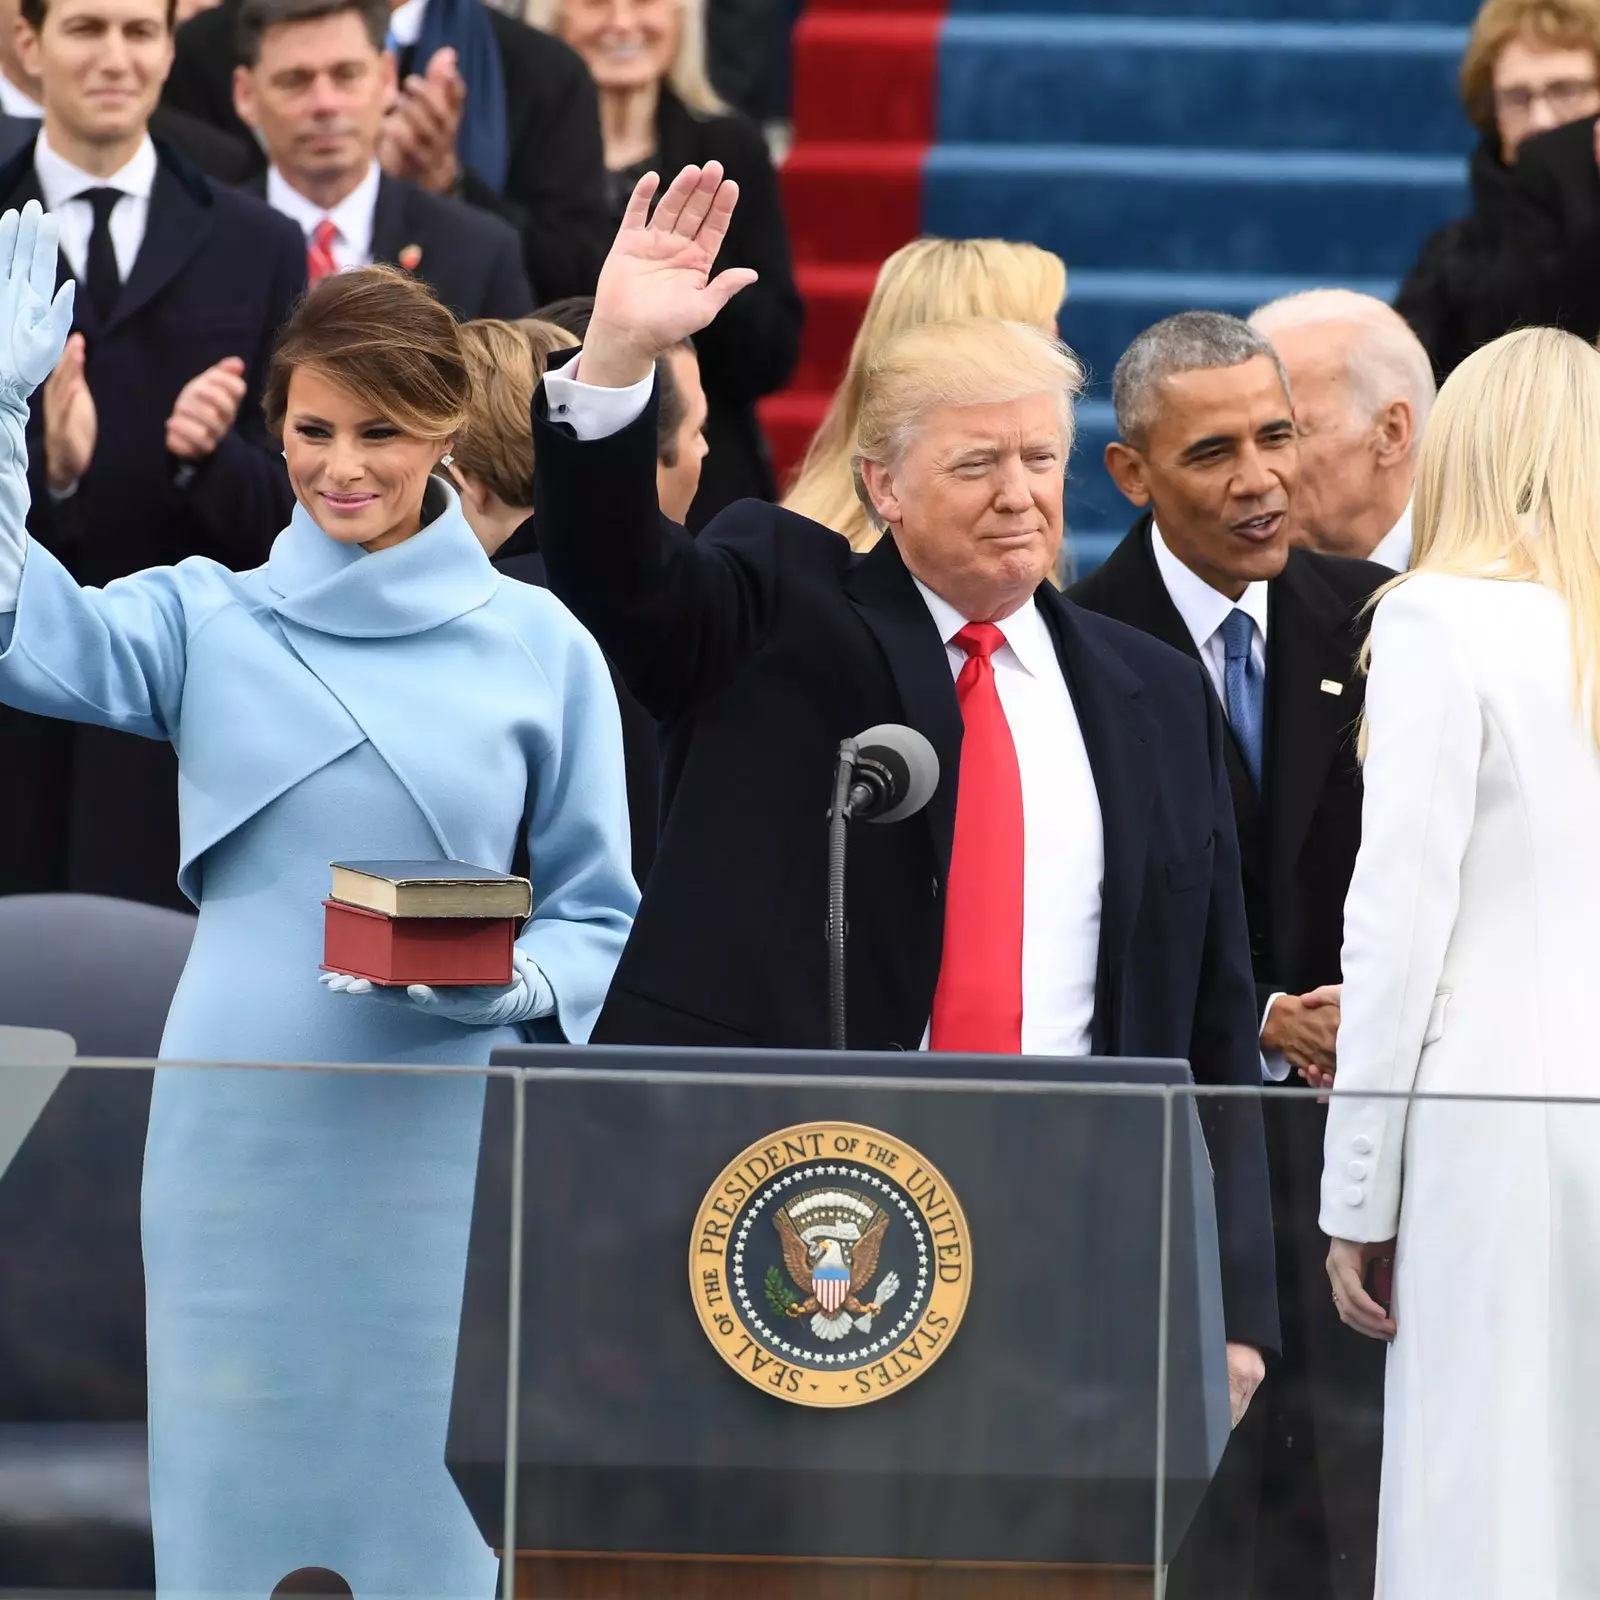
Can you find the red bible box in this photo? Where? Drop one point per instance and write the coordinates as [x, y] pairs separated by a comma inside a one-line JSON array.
[[431, 950]]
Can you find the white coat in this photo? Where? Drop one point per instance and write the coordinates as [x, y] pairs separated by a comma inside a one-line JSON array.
[[1471, 963]]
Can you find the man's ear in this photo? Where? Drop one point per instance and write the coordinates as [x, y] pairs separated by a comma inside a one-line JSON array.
[[25, 40], [474, 493], [244, 95], [878, 481], [1397, 433], [1128, 471]]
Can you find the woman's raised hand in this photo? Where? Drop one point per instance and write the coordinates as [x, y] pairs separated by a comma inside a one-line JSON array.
[[656, 287], [35, 316]]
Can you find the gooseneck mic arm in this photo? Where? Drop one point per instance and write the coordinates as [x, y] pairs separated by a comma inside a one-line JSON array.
[[883, 775]]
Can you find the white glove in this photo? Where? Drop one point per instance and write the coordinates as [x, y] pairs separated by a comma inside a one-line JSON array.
[[472, 1005], [35, 316]]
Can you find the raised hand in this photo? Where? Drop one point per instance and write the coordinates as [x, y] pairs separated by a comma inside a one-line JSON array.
[[656, 287], [35, 316]]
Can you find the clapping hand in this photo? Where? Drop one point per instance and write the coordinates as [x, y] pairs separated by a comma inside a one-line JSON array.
[[71, 423], [656, 288], [418, 139], [35, 316], [205, 409]]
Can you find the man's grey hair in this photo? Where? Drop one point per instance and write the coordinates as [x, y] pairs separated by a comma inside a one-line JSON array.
[[1192, 341], [1386, 359]]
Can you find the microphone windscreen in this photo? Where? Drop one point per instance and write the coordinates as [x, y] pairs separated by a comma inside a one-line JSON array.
[[907, 755]]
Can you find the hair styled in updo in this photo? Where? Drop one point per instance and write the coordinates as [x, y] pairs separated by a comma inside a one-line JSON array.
[[382, 336]]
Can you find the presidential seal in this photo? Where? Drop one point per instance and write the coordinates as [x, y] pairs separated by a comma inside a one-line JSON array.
[[830, 1264]]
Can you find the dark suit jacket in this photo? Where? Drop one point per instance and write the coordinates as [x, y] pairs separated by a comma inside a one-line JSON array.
[[555, 185], [519, 557], [470, 258], [1298, 841], [215, 276], [752, 347], [762, 644], [1556, 171]]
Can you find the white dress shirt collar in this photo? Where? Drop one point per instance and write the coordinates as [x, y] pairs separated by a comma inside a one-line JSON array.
[[17, 104], [352, 216], [405, 23], [60, 181], [1393, 550], [1203, 608], [1024, 631]]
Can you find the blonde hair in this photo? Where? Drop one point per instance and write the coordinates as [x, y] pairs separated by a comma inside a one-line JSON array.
[[687, 76], [1508, 481], [929, 280], [505, 361], [970, 361], [1572, 24]]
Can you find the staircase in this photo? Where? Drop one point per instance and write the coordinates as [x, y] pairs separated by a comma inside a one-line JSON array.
[[1204, 153]]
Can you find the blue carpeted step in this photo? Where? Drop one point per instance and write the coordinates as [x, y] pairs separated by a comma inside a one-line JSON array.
[[1242, 86], [1105, 310], [1459, 12], [1330, 216], [1093, 500]]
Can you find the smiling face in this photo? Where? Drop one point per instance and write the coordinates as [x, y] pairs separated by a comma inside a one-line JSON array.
[[101, 64], [1219, 466], [357, 474], [975, 502], [626, 44], [317, 97]]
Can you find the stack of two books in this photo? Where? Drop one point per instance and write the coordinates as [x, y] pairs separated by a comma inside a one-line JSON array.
[[433, 922]]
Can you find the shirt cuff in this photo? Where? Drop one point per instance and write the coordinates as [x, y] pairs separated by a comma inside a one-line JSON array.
[[1274, 1064], [592, 412]]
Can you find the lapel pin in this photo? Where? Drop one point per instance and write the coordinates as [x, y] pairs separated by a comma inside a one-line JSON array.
[[410, 257], [1332, 686]]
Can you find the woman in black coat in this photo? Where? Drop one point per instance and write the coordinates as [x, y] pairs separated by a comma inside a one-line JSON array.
[[658, 112], [1530, 66]]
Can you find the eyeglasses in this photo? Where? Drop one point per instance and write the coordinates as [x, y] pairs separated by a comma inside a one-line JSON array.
[[1568, 98]]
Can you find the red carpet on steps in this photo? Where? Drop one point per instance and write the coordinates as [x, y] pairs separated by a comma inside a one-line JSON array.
[[865, 77]]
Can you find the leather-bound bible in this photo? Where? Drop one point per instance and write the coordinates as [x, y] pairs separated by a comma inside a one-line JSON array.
[[433, 922]]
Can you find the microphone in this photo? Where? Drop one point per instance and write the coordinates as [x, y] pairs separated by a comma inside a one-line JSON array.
[[896, 772], [887, 773]]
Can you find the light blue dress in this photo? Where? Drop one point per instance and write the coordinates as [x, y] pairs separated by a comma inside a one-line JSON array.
[[305, 1232]]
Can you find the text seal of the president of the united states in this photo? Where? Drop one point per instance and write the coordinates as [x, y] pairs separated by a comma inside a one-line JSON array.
[[830, 1264]]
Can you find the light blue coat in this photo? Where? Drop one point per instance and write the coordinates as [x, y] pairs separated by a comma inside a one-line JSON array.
[[305, 1233]]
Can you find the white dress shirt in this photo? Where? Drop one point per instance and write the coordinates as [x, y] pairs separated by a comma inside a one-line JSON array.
[[352, 217], [1204, 610], [1394, 548], [17, 104], [1064, 839], [60, 183]]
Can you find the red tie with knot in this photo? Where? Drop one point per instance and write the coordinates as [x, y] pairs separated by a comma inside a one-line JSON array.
[[319, 254], [978, 1002]]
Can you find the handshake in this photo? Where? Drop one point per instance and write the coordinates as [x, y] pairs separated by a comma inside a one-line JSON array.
[[1306, 1029]]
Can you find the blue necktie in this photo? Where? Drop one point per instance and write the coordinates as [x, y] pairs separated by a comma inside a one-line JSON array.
[[1244, 688]]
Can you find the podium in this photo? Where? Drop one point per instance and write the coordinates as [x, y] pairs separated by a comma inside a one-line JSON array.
[[1080, 1398]]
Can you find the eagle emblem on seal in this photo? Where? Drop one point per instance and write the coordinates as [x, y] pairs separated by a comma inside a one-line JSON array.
[[831, 1241]]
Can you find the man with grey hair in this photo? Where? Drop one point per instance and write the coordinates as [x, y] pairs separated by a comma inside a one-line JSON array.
[[1362, 387], [1210, 449], [1071, 886]]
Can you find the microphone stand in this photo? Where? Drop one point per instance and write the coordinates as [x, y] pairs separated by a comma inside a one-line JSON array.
[[838, 822]]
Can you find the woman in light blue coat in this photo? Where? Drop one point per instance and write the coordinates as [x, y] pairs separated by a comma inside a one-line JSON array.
[[375, 690]]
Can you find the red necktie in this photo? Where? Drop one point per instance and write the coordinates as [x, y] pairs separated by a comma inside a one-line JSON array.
[[978, 1002], [319, 254]]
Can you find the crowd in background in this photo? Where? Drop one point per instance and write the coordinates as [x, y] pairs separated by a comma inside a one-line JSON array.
[[208, 162]]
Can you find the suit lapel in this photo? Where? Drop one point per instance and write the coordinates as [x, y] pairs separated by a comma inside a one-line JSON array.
[[179, 223], [886, 597], [389, 221], [1118, 736], [1310, 642]]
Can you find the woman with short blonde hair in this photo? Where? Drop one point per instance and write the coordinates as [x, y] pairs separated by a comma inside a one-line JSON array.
[[929, 280], [1470, 938]]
